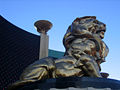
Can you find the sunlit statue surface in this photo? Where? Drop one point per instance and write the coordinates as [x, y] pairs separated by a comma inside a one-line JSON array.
[[85, 51]]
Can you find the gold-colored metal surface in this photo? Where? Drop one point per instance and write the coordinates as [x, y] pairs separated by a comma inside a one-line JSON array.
[[85, 51]]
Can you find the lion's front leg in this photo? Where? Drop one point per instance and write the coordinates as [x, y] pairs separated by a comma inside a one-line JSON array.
[[89, 66]]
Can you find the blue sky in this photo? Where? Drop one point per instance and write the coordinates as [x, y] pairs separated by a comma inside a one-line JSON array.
[[23, 13]]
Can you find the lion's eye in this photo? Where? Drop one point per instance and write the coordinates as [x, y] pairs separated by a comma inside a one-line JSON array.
[[95, 21]]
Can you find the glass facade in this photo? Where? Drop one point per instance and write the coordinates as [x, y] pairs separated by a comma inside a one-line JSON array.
[[17, 51]]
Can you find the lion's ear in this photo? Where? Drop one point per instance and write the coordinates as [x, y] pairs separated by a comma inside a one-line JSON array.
[[77, 19]]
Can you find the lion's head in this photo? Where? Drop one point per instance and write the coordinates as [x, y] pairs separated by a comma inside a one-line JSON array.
[[84, 26]]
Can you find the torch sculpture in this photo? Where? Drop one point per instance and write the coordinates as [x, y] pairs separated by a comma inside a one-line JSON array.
[[42, 27]]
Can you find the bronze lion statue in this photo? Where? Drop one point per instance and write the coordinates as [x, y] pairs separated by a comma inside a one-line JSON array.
[[85, 51]]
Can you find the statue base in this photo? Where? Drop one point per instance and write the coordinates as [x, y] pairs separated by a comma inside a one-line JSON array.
[[73, 83]]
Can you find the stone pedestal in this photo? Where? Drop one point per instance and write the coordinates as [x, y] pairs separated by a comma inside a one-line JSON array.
[[73, 83]]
